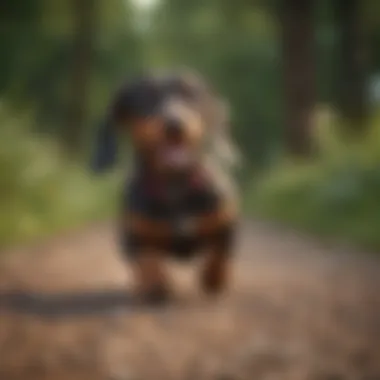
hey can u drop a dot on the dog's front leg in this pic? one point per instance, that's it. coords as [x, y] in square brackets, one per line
[218, 220]
[150, 276]
[217, 268]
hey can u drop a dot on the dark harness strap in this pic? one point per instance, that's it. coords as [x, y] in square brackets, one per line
[166, 189]
[154, 197]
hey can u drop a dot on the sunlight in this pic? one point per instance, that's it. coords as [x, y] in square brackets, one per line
[144, 3]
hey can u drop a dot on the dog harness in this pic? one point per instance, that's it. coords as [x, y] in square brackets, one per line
[157, 198]
[173, 201]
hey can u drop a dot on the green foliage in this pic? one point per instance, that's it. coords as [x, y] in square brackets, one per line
[36, 37]
[336, 195]
[237, 46]
[40, 193]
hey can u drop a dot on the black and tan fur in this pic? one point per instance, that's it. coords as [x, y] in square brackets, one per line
[155, 112]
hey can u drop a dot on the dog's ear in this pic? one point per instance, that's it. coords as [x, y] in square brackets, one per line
[220, 142]
[106, 145]
[216, 114]
[223, 143]
[214, 111]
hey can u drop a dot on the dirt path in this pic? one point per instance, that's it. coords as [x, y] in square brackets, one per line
[295, 311]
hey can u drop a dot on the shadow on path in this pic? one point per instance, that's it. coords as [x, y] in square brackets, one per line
[66, 304]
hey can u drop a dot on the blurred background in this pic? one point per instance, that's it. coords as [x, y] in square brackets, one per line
[302, 78]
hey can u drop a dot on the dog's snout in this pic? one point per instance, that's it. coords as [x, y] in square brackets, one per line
[174, 128]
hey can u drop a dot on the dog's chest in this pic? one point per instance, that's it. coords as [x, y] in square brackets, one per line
[168, 200]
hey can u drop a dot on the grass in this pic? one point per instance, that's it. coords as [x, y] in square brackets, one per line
[41, 193]
[337, 195]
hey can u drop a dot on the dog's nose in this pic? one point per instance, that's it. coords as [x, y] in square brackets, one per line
[174, 128]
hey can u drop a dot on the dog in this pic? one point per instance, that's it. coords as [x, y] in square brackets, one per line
[181, 200]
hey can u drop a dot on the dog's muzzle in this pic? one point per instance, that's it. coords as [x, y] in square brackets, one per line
[175, 152]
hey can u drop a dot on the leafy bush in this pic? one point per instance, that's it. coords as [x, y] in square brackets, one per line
[336, 195]
[40, 192]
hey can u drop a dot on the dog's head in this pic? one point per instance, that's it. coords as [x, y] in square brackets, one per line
[169, 118]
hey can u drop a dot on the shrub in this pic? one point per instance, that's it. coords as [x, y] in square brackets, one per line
[336, 195]
[40, 192]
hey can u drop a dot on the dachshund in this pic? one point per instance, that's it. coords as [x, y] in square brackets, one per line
[180, 200]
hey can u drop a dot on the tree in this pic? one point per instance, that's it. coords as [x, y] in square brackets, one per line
[352, 63]
[19, 28]
[84, 12]
[297, 32]
[234, 45]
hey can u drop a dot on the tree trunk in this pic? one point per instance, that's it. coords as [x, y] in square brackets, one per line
[352, 64]
[84, 22]
[298, 44]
